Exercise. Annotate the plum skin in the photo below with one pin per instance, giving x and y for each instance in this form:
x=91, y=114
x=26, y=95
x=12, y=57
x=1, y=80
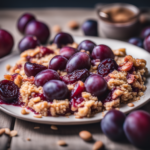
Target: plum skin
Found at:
x=137, y=128
x=112, y=124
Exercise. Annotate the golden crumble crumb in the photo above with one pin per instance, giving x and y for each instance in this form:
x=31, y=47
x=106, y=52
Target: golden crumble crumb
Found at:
x=28, y=139
x=61, y=143
x=38, y=116
x=8, y=67
x=56, y=28
x=73, y=24
x=13, y=133
x=24, y=112
x=130, y=104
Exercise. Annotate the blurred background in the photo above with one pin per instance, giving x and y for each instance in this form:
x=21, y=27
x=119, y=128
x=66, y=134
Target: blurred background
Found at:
x=65, y=3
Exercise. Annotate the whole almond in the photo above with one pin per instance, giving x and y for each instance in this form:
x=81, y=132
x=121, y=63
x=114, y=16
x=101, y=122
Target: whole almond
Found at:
x=98, y=145
x=85, y=135
x=61, y=143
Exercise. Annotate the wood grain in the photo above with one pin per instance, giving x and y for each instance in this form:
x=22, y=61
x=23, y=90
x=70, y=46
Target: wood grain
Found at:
x=6, y=121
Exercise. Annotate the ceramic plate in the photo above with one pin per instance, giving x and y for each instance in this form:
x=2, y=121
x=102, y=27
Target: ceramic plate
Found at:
x=136, y=52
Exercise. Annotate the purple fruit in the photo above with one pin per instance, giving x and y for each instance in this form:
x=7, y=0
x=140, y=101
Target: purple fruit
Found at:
x=145, y=32
x=45, y=51
x=8, y=91
x=112, y=124
x=147, y=43
x=107, y=66
x=78, y=61
x=44, y=76
x=32, y=69
x=75, y=76
x=86, y=45
x=28, y=42
x=136, y=41
x=137, y=128
x=38, y=29
x=96, y=85
x=6, y=43
x=67, y=51
x=90, y=28
x=55, y=89
x=102, y=52
x=23, y=21
x=58, y=63
x=62, y=39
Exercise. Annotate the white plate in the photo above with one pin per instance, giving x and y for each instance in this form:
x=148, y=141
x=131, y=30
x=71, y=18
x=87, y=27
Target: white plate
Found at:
x=136, y=52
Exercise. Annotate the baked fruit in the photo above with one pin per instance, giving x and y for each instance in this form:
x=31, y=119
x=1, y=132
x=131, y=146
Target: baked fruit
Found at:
x=58, y=79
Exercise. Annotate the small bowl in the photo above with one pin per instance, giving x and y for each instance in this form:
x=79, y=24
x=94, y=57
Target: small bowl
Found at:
x=119, y=31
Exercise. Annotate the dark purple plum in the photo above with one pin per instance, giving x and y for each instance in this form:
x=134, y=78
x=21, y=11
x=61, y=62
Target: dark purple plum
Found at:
x=137, y=128
x=145, y=32
x=147, y=43
x=86, y=45
x=38, y=29
x=9, y=91
x=102, y=52
x=44, y=76
x=28, y=42
x=112, y=124
x=58, y=63
x=90, y=27
x=45, y=51
x=55, y=89
x=75, y=76
x=96, y=85
x=32, y=69
x=107, y=66
x=6, y=43
x=62, y=39
x=136, y=41
x=67, y=51
x=23, y=21
x=78, y=61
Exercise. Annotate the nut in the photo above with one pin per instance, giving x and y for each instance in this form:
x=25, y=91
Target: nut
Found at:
x=7, y=131
x=56, y=28
x=85, y=135
x=8, y=67
x=28, y=139
x=36, y=127
x=130, y=104
x=98, y=145
x=54, y=127
x=73, y=24
x=13, y=133
x=2, y=131
x=61, y=143
x=24, y=112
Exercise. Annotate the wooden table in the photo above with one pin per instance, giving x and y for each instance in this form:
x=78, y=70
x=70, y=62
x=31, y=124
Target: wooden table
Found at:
x=45, y=138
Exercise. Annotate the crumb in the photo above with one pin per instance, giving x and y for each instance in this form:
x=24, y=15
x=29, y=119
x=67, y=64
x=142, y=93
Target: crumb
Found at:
x=36, y=127
x=73, y=24
x=8, y=67
x=38, y=116
x=2, y=131
x=54, y=127
x=13, y=133
x=7, y=131
x=61, y=143
x=24, y=112
x=28, y=139
x=130, y=104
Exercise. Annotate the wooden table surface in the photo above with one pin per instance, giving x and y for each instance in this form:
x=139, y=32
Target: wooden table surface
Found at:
x=45, y=138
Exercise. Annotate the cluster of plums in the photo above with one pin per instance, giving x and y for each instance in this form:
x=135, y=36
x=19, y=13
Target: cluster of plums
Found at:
x=136, y=127
x=143, y=41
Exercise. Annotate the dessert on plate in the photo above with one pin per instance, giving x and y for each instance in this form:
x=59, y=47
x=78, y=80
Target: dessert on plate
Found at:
x=65, y=78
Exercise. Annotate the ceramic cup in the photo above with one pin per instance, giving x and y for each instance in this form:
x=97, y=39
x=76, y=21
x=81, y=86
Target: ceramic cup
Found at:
x=119, y=31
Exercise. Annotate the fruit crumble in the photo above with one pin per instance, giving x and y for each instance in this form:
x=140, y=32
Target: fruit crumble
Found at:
x=65, y=78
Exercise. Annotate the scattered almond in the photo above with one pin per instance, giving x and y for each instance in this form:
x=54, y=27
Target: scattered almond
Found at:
x=7, y=131
x=28, y=139
x=61, y=143
x=13, y=133
x=85, y=135
x=97, y=146
x=24, y=112
x=2, y=131
x=73, y=24
x=54, y=127
x=130, y=104
x=8, y=67
x=38, y=116
x=56, y=28
x=36, y=127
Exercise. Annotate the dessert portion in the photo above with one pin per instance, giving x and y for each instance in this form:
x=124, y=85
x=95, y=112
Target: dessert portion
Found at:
x=65, y=78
